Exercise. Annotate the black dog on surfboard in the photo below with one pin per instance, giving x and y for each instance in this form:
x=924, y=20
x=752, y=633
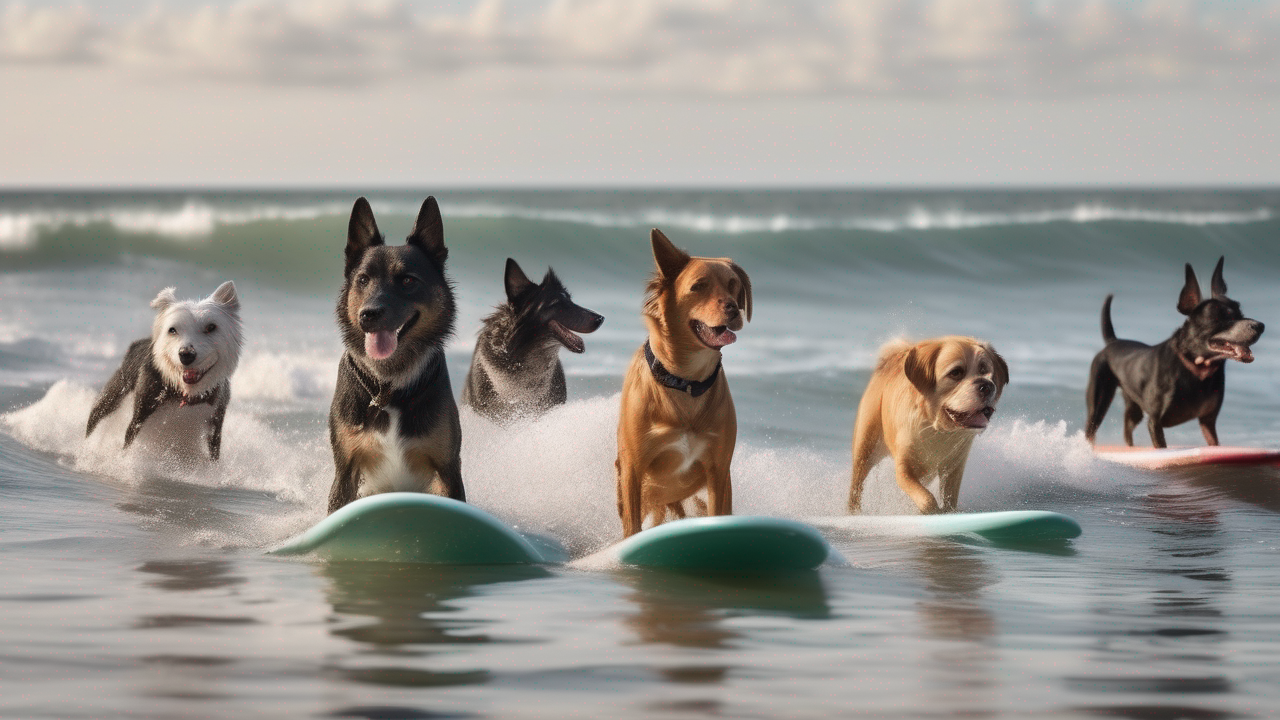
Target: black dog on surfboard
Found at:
x=394, y=423
x=1180, y=379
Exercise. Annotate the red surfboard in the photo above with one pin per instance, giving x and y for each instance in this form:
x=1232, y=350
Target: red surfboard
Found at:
x=1159, y=459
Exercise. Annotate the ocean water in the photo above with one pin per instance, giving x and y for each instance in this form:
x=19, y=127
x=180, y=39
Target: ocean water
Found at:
x=134, y=586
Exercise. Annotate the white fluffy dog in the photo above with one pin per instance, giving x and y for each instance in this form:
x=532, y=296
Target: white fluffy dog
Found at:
x=179, y=378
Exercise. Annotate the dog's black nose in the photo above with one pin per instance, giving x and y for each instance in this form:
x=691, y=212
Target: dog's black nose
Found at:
x=985, y=388
x=369, y=315
x=1258, y=327
x=730, y=309
x=187, y=356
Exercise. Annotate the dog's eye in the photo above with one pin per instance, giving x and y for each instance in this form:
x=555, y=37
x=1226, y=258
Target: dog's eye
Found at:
x=210, y=328
x=956, y=373
x=362, y=280
x=173, y=331
x=699, y=286
x=407, y=281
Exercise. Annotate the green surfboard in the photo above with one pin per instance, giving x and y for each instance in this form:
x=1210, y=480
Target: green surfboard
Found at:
x=726, y=543
x=1009, y=525
x=414, y=527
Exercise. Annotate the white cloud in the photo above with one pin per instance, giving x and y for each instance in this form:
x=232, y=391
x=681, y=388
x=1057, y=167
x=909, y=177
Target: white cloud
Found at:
x=44, y=35
x=727, y=48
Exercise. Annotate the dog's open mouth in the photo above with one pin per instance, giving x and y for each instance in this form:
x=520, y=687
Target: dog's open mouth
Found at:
x=382, y=344
x=1228, y=349
x=567, y=337
x=713, y=337
x=976, y=420
x=191, y=377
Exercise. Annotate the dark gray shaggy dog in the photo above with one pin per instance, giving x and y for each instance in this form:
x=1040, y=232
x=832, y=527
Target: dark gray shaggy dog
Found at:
x=516, y=371
x=394, y=424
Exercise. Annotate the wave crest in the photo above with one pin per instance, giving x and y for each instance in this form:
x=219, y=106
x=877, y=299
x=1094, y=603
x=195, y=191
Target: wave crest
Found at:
x=196, y=218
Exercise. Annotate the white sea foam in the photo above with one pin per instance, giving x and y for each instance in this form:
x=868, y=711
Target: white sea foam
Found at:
x=253, y=455
x=555, y=475
x=196, y=218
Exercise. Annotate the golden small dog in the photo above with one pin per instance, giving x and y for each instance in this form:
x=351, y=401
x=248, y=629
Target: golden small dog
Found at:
x=924, y=406
x=676, y=423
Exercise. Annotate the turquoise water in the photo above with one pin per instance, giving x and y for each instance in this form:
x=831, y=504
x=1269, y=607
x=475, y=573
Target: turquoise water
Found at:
x=137, y=588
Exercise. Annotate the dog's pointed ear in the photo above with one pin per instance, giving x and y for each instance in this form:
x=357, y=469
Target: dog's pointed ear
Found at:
x=1001, y=367
x=362, y=234
x=669, y=258
x=428, y=233
x=226, y=296
x=165, y=298
x=515, y=280
x=920, y=366
x=1190, y=296
x=744, y=292
x=1218, y=285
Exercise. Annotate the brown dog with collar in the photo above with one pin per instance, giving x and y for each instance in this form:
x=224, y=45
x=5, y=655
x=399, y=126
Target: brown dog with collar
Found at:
x=676, y=424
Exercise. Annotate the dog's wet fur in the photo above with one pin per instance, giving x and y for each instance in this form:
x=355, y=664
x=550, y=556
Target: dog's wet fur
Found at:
x=515, y=370
x=179, y=378
x=1180, y=379
x=673, y=444
x=393, y=423
x=924, y=406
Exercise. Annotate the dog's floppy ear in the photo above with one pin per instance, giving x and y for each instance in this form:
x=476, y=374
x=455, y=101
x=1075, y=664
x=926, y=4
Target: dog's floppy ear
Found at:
x=669, y=258
x=1190, y=296
x=1218, y=285
x=744, y=292
x=165, y=298
x=920, y=366
x=1002, y=367
x=226, y=296
x=428, y=233
x=362, y=234
x=515, y=280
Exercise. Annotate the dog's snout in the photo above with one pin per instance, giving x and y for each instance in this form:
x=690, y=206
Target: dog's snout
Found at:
x=985, y=388
x=186, y=355
x=1258, y=328
x=369, y=315
x=730, y=309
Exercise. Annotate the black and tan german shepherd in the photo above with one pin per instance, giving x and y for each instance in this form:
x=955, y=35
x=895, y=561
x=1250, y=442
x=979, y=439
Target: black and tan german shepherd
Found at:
x=393, y=423
x=516, y=371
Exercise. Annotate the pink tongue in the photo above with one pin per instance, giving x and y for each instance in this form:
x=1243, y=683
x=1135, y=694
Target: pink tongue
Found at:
x=379, y=345
x=725, y=338
x=190, y=376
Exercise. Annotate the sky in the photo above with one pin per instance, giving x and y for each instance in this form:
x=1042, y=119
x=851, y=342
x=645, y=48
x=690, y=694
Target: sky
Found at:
x=640, y=93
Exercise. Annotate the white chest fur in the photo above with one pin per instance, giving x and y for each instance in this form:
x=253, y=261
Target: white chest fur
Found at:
x=393, y=473
x=689, y=446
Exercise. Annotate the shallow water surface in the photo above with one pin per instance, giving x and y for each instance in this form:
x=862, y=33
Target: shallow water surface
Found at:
x=135, y=586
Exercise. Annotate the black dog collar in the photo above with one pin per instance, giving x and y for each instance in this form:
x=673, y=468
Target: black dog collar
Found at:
x=382, y=394
x=695, y=388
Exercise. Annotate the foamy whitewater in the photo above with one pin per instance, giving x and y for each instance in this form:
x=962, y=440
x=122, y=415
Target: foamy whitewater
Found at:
x=142, y=577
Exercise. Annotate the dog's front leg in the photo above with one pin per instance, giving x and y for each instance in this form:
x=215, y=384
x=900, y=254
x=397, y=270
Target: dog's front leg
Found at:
x=909, y=480
x=451, y=475
x=719, y=492
x=215, y=422
x=629, y=477
x=150, y=394
x=345, y=485
x=1209, y=428
x=949, y=486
